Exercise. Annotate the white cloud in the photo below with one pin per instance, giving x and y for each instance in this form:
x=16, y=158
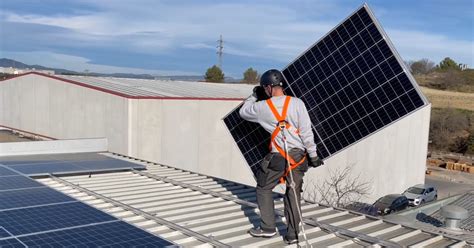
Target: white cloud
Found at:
x=414, y=45
x=80, y=64
x=152, y=27
x=261, y=30
x=198, y=46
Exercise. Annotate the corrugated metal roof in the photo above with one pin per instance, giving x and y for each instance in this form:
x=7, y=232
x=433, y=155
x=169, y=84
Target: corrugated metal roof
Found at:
x=191, y=209
x=146, y=88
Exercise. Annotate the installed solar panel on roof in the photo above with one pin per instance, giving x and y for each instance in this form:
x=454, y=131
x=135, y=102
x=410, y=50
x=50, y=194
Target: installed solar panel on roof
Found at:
x=353, y=84
x=6, y=172
x=11, y=243
x=39, y=216
x=31, y=197
x=17, y=182
x=65, y=163
x=107, y=164
x=51, y=217
x=40, y=168
x=3, y=233
x=114, y=234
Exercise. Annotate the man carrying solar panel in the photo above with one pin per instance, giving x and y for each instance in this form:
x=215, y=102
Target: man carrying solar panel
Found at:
x=286, y=119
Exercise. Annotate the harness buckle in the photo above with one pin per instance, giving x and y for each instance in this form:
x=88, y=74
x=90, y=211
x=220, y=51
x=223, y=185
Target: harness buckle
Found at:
x=282, y=124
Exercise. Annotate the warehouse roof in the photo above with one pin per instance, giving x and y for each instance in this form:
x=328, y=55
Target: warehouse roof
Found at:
x=465, y=201
x=190, y=209
x=158, y=89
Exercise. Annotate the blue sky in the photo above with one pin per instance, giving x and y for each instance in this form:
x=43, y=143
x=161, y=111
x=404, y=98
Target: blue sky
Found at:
x=179, y=37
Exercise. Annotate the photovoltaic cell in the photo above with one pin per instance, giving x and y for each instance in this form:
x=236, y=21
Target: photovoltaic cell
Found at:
x=37, y=219
x=17, y=182
x=352, y=83
x=31, y=197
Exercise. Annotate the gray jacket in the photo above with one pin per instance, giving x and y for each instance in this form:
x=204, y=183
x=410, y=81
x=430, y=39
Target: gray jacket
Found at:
x=297, y=116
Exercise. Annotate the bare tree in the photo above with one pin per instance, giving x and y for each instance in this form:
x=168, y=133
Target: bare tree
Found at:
x=422, y=66
x=340, y=189
x=450, y=130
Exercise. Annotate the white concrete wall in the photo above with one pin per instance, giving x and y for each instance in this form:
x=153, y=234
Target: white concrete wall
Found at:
x=53, y=147
x=62, y=110
x=188, y=134
x=391, y=159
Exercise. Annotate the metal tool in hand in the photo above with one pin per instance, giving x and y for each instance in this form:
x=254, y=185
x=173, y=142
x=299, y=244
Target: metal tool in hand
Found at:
x=292, y=184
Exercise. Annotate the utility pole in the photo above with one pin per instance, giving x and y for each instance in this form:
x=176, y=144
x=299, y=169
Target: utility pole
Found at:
x=220, y=47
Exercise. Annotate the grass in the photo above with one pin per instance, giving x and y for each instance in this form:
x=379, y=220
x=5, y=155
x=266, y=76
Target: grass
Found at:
x=449, y=99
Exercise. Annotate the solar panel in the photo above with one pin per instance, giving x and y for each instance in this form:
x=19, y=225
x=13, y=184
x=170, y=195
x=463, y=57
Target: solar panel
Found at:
x=32, y=214
x=10, y=243
x=3, y=233
x=17, y=182
x=50, y=158
x=31, y=197
x=70, y=164
x=46, y=168
x=50, y=217
x=115, y=234
x=353, y=83
x=6, y=172
x=109, y=164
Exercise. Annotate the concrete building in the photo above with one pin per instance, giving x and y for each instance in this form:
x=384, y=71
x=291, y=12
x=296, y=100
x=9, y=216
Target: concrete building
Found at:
x=180, y=124
x=171, y=122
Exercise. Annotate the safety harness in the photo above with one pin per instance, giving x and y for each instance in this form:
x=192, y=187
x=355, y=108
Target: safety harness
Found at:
x=283, y=124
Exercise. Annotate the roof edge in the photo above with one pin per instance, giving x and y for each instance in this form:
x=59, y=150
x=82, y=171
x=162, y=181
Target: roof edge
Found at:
x=122, y=94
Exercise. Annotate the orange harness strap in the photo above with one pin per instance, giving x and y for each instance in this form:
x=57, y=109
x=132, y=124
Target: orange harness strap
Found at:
x=282, y=123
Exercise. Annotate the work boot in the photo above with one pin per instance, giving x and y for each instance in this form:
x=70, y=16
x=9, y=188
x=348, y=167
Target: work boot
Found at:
x=258, y=232
x=290, y=240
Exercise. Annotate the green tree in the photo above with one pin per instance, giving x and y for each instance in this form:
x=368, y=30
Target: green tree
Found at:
x=250, y=76
x=448, y=64
x=214, y=74
x=470, y=142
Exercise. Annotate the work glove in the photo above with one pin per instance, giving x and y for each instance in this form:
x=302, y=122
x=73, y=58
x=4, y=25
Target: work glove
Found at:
x=315, y=162
x=259, y=93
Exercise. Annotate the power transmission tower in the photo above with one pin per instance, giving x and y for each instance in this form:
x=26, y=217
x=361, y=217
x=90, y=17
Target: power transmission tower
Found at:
x=220, y=47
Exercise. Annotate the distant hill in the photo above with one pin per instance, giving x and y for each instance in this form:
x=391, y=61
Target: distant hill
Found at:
x=5, y=62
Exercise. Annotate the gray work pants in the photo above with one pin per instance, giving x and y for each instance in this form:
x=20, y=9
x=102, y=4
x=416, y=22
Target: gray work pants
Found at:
x=272, y=168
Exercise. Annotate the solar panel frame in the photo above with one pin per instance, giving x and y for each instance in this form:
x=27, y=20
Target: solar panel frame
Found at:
x=351, y=63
